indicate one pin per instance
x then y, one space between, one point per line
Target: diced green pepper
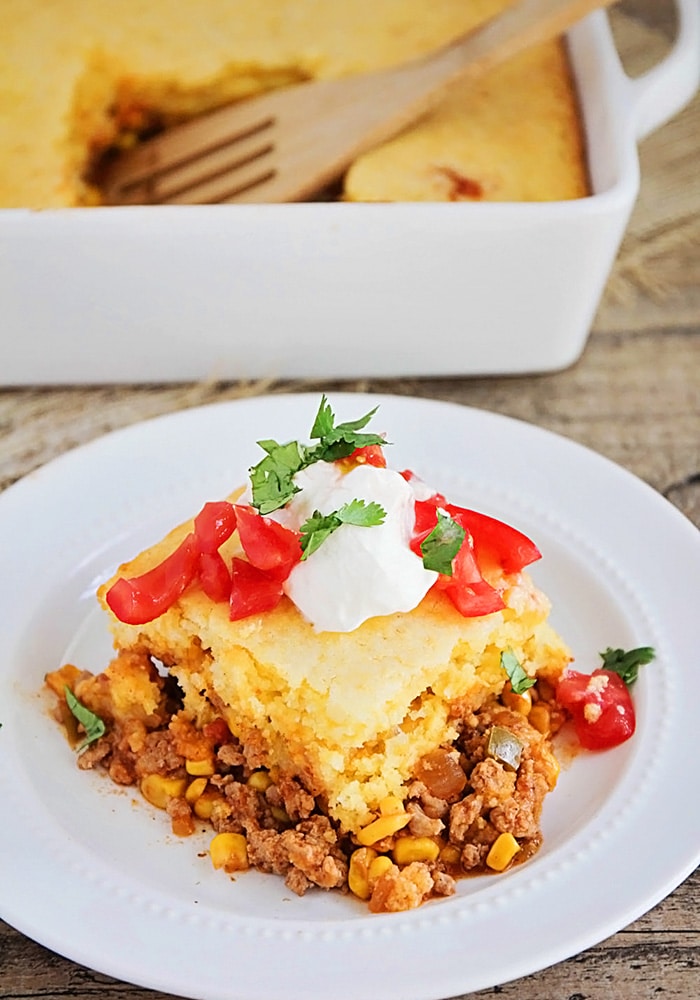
504 747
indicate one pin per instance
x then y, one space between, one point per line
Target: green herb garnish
627 663
519 680
442 544
92 724
318 527
339 441
272 479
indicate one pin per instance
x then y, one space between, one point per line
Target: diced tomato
496 541
214 576
252 590
214 524
467 589
426 519
437 499
475 599
269 546
600 706
142 598
371 454
217 731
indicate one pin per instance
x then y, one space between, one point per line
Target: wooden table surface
634 396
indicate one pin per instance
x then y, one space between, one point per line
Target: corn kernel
382 827
199 768
204 805
358 871
260 781
195 789
502 852
391 805
408 849
229 851
382 863
540 718
521 703
450 855
158 789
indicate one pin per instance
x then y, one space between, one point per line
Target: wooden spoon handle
525 24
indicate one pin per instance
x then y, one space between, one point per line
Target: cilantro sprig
519 680
272 479
316 529
339 440
627 663
92 724
442 544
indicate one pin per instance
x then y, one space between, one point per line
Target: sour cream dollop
358 572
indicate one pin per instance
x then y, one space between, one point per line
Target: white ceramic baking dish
339 290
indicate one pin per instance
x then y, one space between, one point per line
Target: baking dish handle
661 92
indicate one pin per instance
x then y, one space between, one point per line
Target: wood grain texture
634 396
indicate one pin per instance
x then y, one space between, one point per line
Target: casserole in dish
336 289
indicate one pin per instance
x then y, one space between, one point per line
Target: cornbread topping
386 757
105 81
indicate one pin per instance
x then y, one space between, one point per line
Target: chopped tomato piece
269 546
600 706
426 519
142 598
475 599
467 589
214 576
214 524
252 590
496 541
371 454
217 731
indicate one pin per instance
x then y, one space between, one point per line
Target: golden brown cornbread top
67 63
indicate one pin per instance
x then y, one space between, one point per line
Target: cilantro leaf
316 529
519 680
627 664
365 515
92 724
442 544
324 421
272 479
339 440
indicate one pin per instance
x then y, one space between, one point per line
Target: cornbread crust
499 139
73 80
348 714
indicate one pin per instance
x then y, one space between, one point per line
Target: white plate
93 874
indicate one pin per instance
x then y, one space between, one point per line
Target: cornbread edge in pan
74 80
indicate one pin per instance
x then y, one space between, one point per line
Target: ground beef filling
468 809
